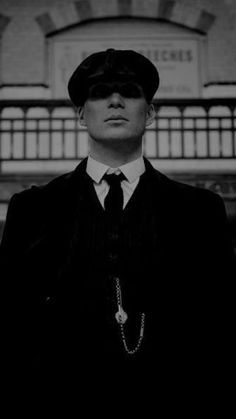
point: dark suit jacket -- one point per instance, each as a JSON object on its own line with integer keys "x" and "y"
{"x": 189, "y": 283}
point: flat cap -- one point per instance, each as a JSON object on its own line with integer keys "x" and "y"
{"x": 124, "y": 65}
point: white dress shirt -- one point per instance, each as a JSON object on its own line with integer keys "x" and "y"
{"x": 132, "y": 172}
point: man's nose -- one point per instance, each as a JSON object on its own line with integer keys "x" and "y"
{"x": 116, "y": 100}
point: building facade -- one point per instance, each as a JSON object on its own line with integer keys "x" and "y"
{"x": 191, "y": 41}
{"x": 193, "y": 44}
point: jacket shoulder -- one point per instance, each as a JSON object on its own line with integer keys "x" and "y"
{"x": 37, "y": 192}
{"x": 184, "y": 194}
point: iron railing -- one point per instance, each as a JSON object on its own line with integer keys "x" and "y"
{"x": 48, "y": 130}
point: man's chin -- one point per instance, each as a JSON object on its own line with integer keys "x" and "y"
{"x": 117, "y": 143}
{"x": 113, "y": 137}
{"x": 117, "y": 137}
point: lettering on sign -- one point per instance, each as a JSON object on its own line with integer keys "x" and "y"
{"x": 177, "y": 61}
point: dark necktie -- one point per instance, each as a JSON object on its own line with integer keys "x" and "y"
{"x": 113, "y": 202}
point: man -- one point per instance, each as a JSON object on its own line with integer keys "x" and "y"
{"x": 124, "y": 276}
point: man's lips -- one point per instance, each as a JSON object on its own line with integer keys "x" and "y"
{"x": 116, "y": 118}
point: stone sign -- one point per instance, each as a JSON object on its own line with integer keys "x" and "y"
{"x": 176, "y": 59}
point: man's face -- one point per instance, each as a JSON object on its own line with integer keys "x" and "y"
{"x": 116, "y": 111}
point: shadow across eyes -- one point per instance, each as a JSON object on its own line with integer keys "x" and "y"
{"x": 104, "y": 90}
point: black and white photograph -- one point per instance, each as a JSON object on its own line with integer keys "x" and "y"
{"x": 118, "y": 206}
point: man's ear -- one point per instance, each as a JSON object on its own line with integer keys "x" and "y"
{"x": 151, "y": 114}
{"x": 81, "y": 116}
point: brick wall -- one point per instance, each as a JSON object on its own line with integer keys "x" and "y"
{"x": 25, "y": 25}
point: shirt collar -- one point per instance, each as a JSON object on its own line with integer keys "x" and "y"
{"x": 132, "y": 170}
